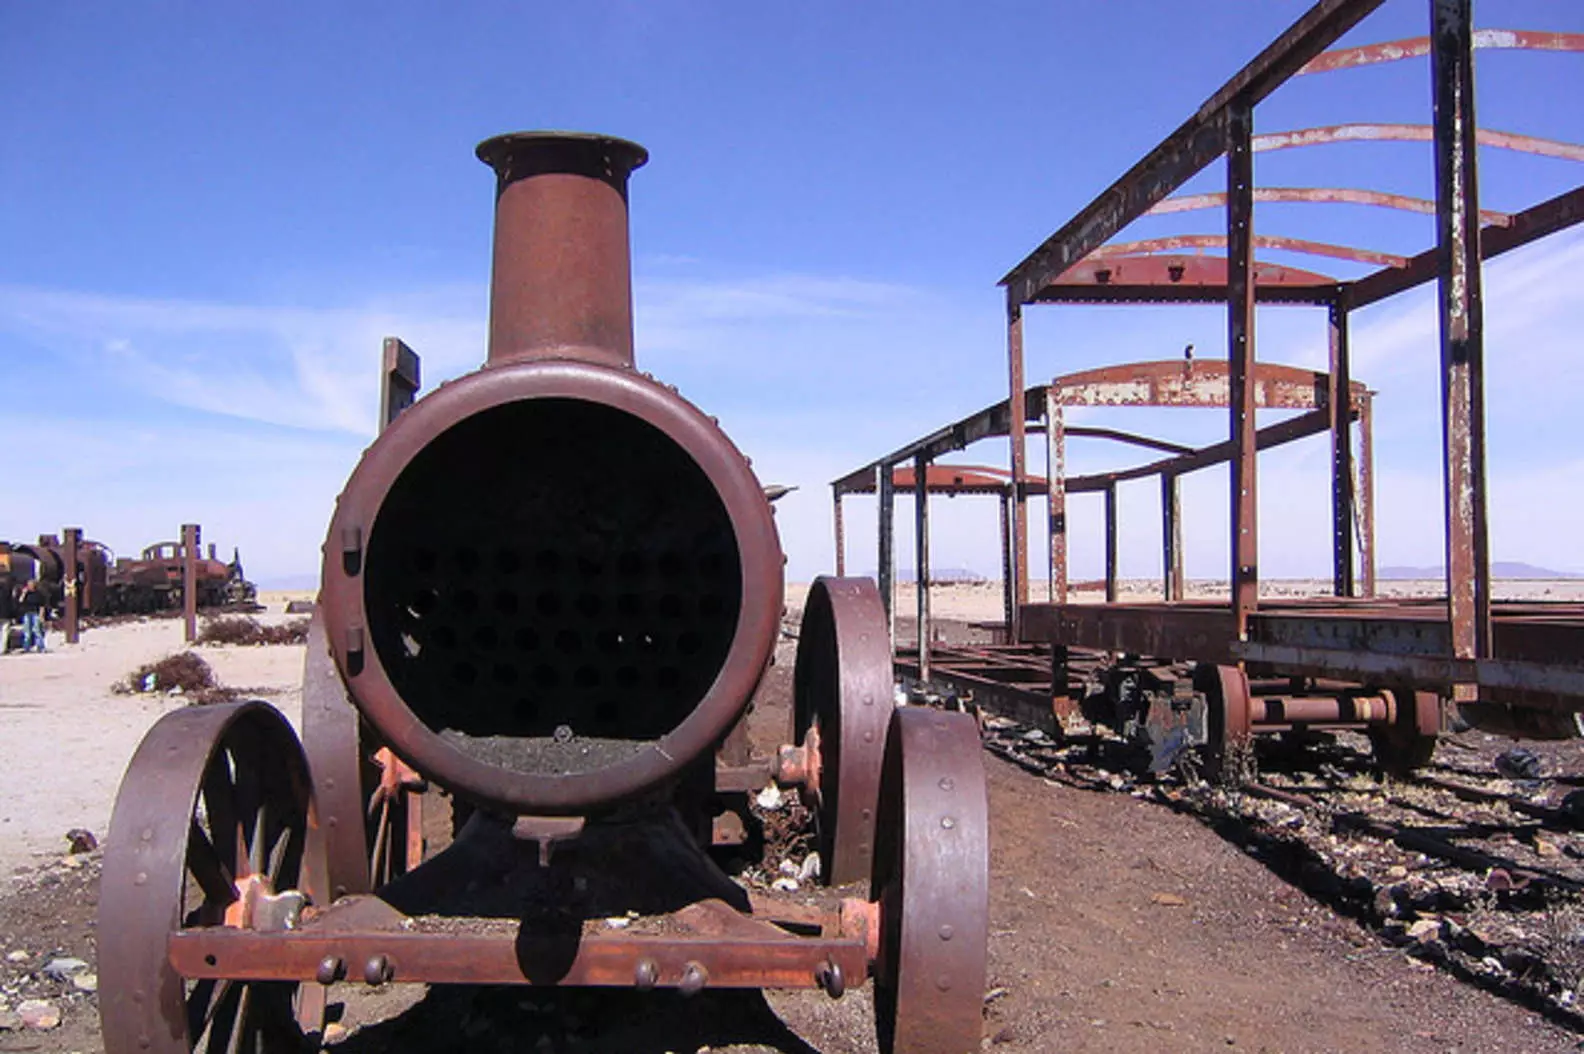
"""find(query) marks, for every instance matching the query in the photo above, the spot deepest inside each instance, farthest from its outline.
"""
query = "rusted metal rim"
(760, 566)
(1229, 720)
(932, 879)
(841, 699)
(212, 796)
(1410, 740)
(335, 757)
(624, 154)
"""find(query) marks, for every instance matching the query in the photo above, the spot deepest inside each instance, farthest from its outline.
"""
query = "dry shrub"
(240, 629)
(185, 673)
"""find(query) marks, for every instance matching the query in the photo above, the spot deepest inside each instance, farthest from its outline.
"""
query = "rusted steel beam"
(1339, 406)
(885, 488)
(953, 479)
(1282, 432)
(399, 379)
(1412, 133)
(1091, 432)
(1171, 537)
(509, 957)
(1199, 141)
(1195, 382)
(1261, 241)
(1366, 496)
(1110, 544)
(1418, 47)
(1240, 360)
(71, 582)
(841, 534)
(993, 420)
(1056, 493)
(1191, 278)
(1016, 439)
(1008, 606)
(1320, 195)
(921, 560)
(1557, 214)
(1462, 327)
(189, 536)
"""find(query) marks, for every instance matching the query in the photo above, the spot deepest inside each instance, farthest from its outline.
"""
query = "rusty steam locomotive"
(550, 587)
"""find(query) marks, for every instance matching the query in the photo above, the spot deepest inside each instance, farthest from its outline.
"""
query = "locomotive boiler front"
(554, 583)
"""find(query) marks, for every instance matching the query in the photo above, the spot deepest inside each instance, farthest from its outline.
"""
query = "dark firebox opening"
(552, 569)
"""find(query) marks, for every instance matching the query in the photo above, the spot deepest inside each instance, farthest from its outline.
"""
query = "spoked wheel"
(368, 799)
(1408, 743)
(932, 879)
(841, 708)
(1229, 748)
(214, 819)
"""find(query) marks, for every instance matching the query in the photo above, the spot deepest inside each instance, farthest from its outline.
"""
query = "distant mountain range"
(1499, 569)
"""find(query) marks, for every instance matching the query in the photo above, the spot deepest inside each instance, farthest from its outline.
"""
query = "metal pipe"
(1339, 401)
(841, 534)
(1462, 326)
(885, 491)
(1240, 355)
(561, 285)
(71, 581)
(1110, 544)
(1016, 414)
(921, 560)
(1171, 537)
(1008, 605)
(1303, 710)
(1366, 496)
(1056, 492)
(189, 535)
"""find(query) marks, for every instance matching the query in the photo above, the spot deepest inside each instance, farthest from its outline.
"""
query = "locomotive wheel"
(215, 808)
(841, 709)
(1229, 750)
(368, 798)
(932, 879)
(1409, 742)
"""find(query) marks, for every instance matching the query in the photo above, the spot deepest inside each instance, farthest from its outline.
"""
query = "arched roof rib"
(1419, 47)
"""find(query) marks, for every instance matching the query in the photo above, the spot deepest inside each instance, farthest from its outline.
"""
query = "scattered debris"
(185, 673)
(241, 629)
(62, 969)
(1518, 764)
(38, 1014)
(299, 607)
(82, 840)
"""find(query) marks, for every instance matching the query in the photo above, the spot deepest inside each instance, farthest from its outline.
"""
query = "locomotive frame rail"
(1464, 646)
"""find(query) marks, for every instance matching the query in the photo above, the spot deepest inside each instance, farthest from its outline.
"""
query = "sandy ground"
(65, 737)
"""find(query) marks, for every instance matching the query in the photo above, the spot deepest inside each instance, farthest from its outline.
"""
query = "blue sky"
(212, 214)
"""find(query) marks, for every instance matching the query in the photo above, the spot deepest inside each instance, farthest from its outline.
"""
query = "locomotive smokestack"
(562, 281)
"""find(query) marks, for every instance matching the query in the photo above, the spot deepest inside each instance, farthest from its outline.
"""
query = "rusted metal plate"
(931, 877)
(487, 951)
(335, 757)
(842, 689)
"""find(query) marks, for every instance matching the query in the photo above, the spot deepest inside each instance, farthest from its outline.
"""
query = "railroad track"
(1454, 866)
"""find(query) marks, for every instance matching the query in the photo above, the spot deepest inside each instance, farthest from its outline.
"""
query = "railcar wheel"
(214, 818)
(932, 878)
(1229, 746)
(842, 706)
(368, 799)
(1408, 743)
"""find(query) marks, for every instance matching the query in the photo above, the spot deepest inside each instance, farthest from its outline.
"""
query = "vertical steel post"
(921, 560)
(1056, 492)
(1240, 356)
(885, 490)
(1366, 496)
(1462, 326)
(71, 582)
(1340, 404)
(1110, 544)
(189, 536)
(1008, 603)
(841, 534)
(1016, 435)
(1171, 537)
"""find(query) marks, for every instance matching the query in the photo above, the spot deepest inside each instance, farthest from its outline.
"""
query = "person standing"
(32, 605)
